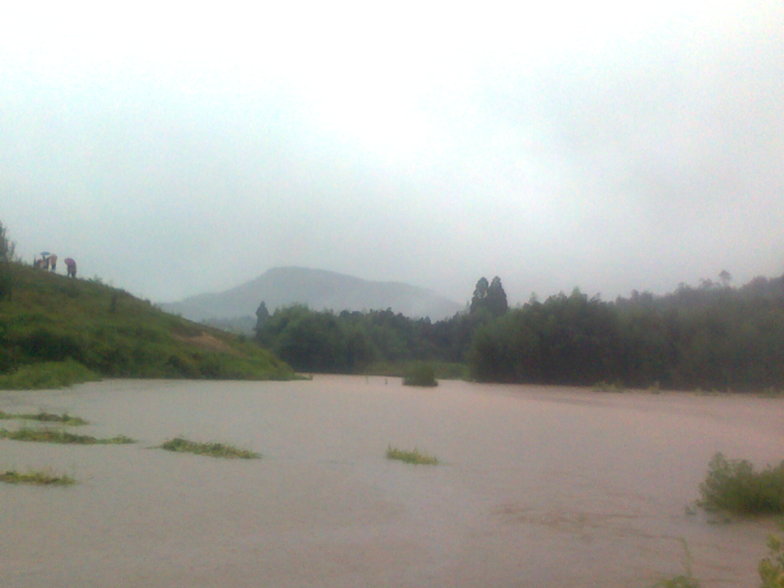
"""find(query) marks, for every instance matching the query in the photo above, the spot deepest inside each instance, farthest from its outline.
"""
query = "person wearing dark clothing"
(70, 266)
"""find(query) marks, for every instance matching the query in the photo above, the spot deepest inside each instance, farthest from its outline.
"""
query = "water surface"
(539, 486)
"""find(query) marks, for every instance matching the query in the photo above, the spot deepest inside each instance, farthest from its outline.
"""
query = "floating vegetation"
(38, 478)
(46, 417)
(55, 436)
(415, 456)
(211, 449)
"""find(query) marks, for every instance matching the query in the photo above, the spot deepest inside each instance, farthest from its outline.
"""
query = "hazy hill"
(50, 322)
(319, 290)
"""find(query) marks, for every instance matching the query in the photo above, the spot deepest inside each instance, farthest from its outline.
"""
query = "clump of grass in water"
(53, 436)
(211, 449)
(38, 478)
(46, 417)
(415, 456)
(734, 486)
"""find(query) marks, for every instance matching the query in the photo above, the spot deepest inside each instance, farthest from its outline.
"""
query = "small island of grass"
(38, 478)
(414, 457)
(46, 417)
(210, 449)
(57, 436)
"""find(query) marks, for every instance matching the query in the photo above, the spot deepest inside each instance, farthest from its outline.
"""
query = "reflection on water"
(537, 487)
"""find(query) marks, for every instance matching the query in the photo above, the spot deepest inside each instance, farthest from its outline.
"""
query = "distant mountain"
(319, 290)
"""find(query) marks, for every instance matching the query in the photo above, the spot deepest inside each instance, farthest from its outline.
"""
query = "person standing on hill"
(70, 265)
(53, 261)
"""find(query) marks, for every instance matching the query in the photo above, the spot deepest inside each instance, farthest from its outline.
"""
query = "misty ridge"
(315, 288)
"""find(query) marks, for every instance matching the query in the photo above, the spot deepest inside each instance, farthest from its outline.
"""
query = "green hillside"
(55, 331)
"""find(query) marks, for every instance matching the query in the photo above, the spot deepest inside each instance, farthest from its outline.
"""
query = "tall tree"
(262, 316)
(489, 298)
(496, 301)
(6, 256)
(478, 301)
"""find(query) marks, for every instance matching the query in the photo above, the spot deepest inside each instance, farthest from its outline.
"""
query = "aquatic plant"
(735, 486)
(46, 417)
(211, 449)
(39, 478)
(415, 456)
(57, 436)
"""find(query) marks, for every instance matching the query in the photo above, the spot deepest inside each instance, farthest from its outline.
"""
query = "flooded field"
(536, 487)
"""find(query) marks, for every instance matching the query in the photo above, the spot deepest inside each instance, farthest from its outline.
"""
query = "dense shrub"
(420, 374)
(771, 568)
(735, 486)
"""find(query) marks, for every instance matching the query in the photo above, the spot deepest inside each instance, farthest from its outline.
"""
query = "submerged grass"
(46, 417)
(56, 436)
(211, 449)
(415, 456)
(38, 478)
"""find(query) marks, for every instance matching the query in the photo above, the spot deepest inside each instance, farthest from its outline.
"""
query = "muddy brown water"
(538, 486)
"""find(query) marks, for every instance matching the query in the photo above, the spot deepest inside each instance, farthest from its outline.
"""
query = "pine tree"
(496, 301)
(262, 316)
(479, 300)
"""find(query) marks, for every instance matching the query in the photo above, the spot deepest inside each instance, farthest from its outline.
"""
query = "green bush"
(420, 374)
(771, 568)
(734, 486)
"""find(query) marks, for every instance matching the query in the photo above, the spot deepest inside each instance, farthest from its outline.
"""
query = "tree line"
(713, 337)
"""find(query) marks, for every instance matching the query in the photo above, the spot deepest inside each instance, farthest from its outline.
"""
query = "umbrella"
(69, 261)
(45, 254)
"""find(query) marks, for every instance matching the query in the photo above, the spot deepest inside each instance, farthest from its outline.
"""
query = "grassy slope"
(52, 323)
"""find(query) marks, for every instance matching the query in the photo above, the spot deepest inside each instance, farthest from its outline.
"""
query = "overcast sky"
(180, 148)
